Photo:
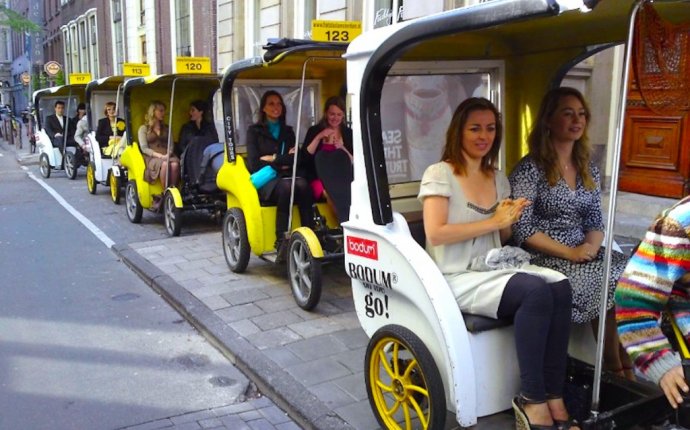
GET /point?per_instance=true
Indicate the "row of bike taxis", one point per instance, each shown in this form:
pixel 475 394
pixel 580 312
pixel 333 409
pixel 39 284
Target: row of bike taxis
pixel 426 361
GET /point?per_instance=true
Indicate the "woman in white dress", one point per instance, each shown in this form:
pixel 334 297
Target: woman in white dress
pixel 467 213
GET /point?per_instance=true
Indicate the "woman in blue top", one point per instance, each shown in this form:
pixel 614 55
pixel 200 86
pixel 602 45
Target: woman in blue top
pixel 271 142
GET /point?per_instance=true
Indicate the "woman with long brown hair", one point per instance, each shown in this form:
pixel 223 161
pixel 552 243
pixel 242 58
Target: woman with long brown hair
pixel 563 228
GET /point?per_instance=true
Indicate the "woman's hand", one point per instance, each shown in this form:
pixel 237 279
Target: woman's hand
pixel 509 211
pixel 267 158
pixel 326 135
pixel 582 253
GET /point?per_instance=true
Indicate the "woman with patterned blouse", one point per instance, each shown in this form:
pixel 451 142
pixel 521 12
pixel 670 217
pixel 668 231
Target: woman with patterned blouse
pixel 563 228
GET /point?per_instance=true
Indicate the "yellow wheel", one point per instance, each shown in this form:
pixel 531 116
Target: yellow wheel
pixel 115 191
pixel 403 383
pixel 91 178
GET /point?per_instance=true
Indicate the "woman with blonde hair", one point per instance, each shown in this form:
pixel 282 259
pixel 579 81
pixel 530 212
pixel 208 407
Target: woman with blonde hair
pixel 153 141
pixel 563 227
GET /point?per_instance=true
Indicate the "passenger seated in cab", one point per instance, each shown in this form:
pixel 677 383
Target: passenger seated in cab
pixel 109 129
pixel 56 123
pixel 468 213
pixel 200 125
pixel 563 228
pixel 271 142
pixel 329 147
pixel 81 130
pixel 153 141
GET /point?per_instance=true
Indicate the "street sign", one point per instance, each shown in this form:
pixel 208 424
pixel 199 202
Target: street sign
pixel 52 68
pixel 79 78
pixel 335 31
pixel 26 78
pixel 192 65
pixel 136 69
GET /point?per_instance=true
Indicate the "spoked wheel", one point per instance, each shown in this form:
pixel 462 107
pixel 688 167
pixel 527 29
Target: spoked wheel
pixel 235 242
pixel 304 272
pixel 91 178
pixel 70 165
pixel 403 383
pixel 173 215
pixel 115 192
pixel 44 165
pixel 134 209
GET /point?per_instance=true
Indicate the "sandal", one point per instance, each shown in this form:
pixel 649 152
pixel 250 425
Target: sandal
pixel 521 418
pixel 567 424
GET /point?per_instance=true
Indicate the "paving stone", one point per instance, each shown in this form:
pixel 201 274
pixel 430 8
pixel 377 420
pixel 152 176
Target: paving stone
pixel 194 264
pixel 163 259
pixel 353 359
pixel 353 385
pixel 187 273
pixel 288 426
pixel 282 356
pixel 247 295
pixel 353 338
pixel 250 415
pixel 151 248
pixel 210 423
pixel 317 347
pixel 359 415
pixel 245 328
pixel 331 394
pixel 234 422
pixel 272 338
pixel 274 414
pixel 241 312
pixel 318 371
pixel 277 303
pixel 169 268
pixel 261 424
pixel 318 327
pixel 275 319
pixel 261 402
pixel 218 267
pixel 214 302
pixel 343 303
pixel 152 425
pixel 215 289
pixel 202 254
pixel 188 426
pixel 233 409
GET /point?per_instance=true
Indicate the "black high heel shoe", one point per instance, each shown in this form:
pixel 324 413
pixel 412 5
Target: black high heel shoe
pixel 522 420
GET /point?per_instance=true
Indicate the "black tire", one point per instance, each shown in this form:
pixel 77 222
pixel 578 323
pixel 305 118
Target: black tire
pixel 32 145
pixel 91 178
pixel 410 379
pixel 69 161
pixel 304 272
pixel 133 206
pixel 172 214
pixel 44 165
pixel 235 243
pixel 115 183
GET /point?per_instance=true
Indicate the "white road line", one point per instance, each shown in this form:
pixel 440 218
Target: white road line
pixel 81 218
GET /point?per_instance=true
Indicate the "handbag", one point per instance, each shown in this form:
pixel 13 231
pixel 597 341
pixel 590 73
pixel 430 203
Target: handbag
pixel 263 176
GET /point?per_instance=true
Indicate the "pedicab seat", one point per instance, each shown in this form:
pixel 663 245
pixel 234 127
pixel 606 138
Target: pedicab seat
pixel 474 323
pixel 198 170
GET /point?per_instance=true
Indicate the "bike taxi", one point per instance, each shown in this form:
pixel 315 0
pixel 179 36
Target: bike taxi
pixel 195 191
pixel 305 73
pixel 66 155
pixel 104 167
pixel 425 358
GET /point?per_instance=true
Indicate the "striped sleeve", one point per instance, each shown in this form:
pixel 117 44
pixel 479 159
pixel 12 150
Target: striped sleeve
pixel 645 288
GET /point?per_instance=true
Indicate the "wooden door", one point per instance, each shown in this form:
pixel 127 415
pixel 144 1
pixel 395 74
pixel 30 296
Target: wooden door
pixel 656 151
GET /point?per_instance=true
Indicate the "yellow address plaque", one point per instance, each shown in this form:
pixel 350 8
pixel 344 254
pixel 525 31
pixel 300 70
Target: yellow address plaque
pixel 193 65
pixel 136 69
pixel 79 78
pixel 335 31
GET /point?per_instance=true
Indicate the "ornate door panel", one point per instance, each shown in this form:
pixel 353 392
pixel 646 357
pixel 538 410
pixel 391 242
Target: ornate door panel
pixel 654 160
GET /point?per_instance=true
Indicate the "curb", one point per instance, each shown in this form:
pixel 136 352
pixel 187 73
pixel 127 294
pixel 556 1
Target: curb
pixel 300 404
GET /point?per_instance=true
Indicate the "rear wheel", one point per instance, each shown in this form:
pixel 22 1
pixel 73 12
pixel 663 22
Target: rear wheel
pixel 173 215
pixel 115 191
pixel 44 165
pixel 91 178
pixel 235 242
pixel 134 209
pixel 70 165
pixel 304 272
pixel 404 385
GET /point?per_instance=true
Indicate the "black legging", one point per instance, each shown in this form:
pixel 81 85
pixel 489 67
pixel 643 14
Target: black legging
pixel 541 313
pixel 303 199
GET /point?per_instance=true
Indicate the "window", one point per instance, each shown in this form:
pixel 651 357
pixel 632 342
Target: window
pixel 118 35
pixel 142 12
pixel 384 12
pixel 142 44
pixel 183 36
pixel 83 47
pixel 93 47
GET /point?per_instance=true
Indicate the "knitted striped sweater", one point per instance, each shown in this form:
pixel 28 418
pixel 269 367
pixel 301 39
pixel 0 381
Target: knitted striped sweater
pixel 651 284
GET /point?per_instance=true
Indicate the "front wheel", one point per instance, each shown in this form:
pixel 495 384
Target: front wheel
pixel 304 272
pixel 235 242
pixel 44 165
pixel 91 178
pixel 404 385
pixel 134 209
pixel 115 191
pixel 71 165
pixel 173 215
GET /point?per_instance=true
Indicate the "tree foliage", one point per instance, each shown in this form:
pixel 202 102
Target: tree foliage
pixel 17 22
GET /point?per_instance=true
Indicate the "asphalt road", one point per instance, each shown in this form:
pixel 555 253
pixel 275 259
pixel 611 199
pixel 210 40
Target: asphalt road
pixel 84 343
